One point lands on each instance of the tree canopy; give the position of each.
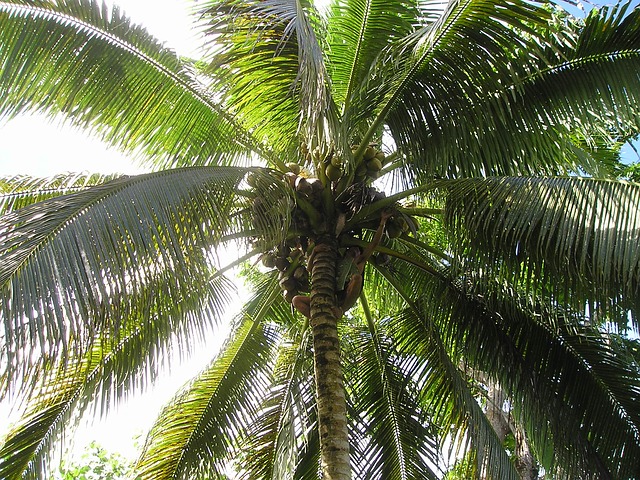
(426, 199)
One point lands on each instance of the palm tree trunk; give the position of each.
(330, 393)
(525, 461)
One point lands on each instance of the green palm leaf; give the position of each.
(195, 431)
(270, 64)
(21, 190)
(580, 234)
(111, 77)
(112, 370)
(475, 277)
(563, 366)
(357, 32)
(279, 433)
(201, 428)
(82, 260)
(512, 112)
(420, 51)
(444, 389)
(396, 438)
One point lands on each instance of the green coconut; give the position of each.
(333, 173)
(374, 164)
(294, 168)
(369, 153)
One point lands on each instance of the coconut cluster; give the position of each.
(290, 258)
(369, 169)
(372, 162)
(291, 263)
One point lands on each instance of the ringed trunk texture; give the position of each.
(330, 393)
(525, 462)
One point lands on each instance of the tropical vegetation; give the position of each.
(424, 198)
(95, 463)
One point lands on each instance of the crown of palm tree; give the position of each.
(498, 256)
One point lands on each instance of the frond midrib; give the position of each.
(382, 369)
(128, 47)
(354, 64)
(256, 322)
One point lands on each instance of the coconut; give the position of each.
(288, 283)
(300, 273)
(373, 174)
(382, 259)
(369, 153)
(303, 187)
(282, 263)
(294, 168)
(361, 171)
(269, 260)
(374, 164)
(333, 173)
(291, 178)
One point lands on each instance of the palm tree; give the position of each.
(447, 169)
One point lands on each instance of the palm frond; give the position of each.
(419, 52)
(357, 32)
(396, 437)
(515, 97)
(105, 74)
(279, 434)
(25, 450)
(265, 210)
(578, 235)
(564, 377)
(396, 255)
(269, 62)
(443, 388)
(543, 355)
(597, 157)
(195, 432)
(21, 190)
(112, 370)
(202, 427)
(514, 282)
(83, 260)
